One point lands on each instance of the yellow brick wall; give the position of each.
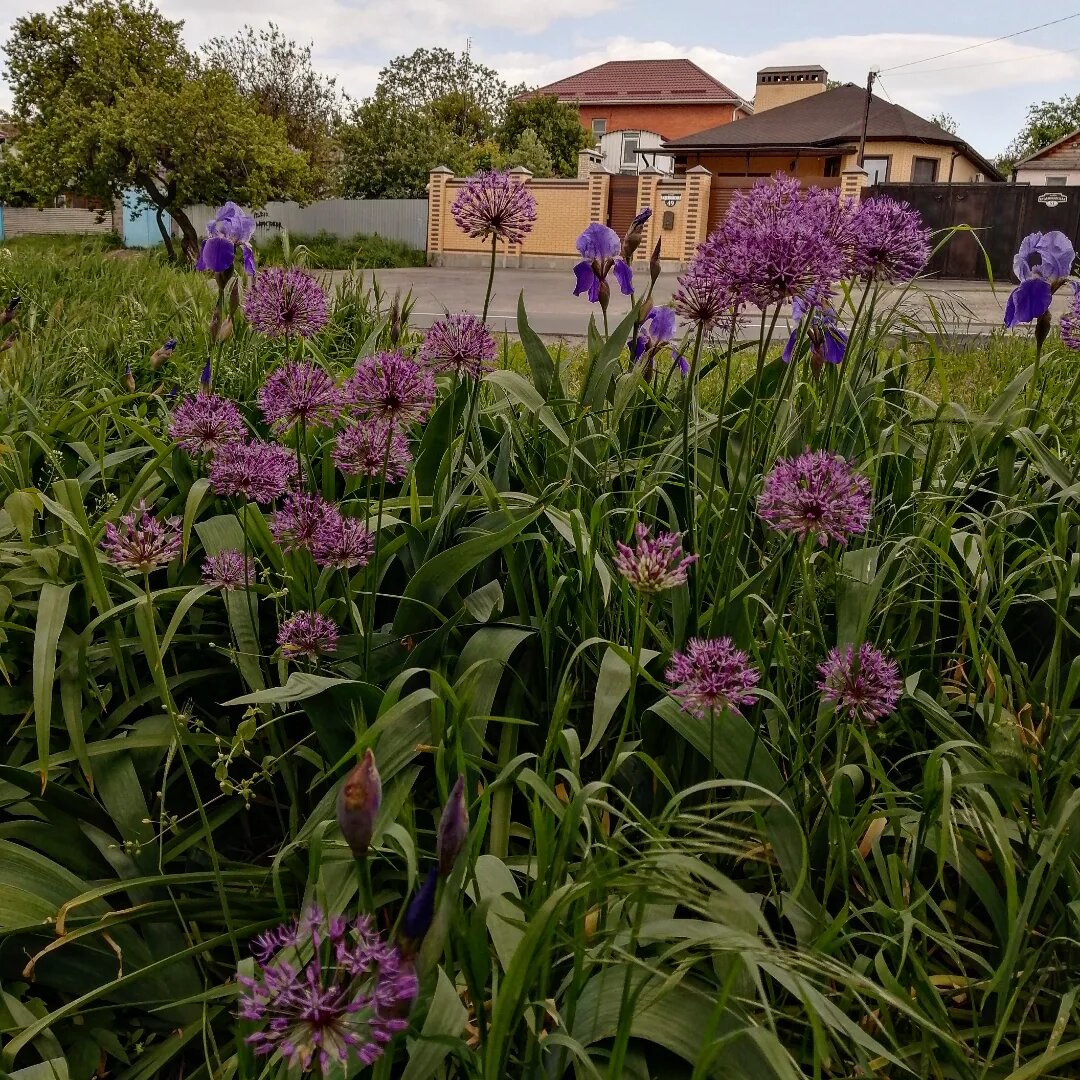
(903, 155)
(562, 212)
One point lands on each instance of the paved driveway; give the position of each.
(963, 308)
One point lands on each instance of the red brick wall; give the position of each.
(671, 121)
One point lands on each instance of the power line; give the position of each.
(987, 63)
(980, 44)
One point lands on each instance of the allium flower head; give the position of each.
(231, 228)
(702, 296)
(253, 470)
(227, 570)
(863, 684)
(891, 243)
(1070, 322)
(817, 319)
(332, 990)
(361, 450)
(493, 204)
(653, 564)
(204, 422)
(307, 634)
(1041, 265)
(298, 393)
(712, 675)
(460, 343)
(295, 525)
(342, 542)
(140, 541)
(286, 303)
(392, 388)
(601, 254)
(816, 494)
(779, 240)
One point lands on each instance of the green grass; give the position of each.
(327, 252)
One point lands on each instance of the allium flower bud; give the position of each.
(453, 828)
(358, 804)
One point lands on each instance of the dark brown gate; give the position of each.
(622, 202)
(1000, 215)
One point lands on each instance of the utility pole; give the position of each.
(871, 76)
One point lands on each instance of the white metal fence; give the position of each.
(395, 219)
(29, 221)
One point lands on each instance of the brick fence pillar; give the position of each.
(696, 218)
(599, 195)
(852, 182)
(522, 176)
(437, 210)
(647, 196)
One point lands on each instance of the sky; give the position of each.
(986, 89)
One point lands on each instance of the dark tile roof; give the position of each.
(642, 80)
(831, 118)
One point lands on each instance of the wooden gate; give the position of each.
(622, 202)
(1001, 215)
(724, 189)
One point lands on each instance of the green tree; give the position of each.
(945, 121)
(531, 153)
(277, 75)
(107, 98)
(1047, 121)
(556, 125)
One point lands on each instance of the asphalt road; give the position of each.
(962, 308)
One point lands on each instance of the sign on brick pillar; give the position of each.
(648, 183)
(852, 182)
(522, 176)
(696, 219)
(437, 209)
(599, 195)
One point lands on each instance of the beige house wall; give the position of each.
(902, 159)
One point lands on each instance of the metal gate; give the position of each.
(622, 202)
(1000, 215)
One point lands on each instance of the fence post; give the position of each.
(522, 175)
(696, 221)
(647, 186)
(852, 183)
(599, 195)
(437, 182)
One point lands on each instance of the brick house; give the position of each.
(632, 106)
(1056, 165)
(802, 128)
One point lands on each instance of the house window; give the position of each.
(832, 166)
(877, 169)
(629, 150)
(599, 127)
(924, 170)
(1057, 181)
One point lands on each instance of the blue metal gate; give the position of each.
(140, 223)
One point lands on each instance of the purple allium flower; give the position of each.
(492, 204)
(778, 240)
(1041, 265)
(461, 343)
(295, 525)
(816, 494)
(334, 990)
(891, 243)
(227, 570)
(204, 422)
(286, 303)
(392, 388)
(140, 541)
(307, 634)
(453, 828)
(1070, 322)
(712, 675)
(653, 564)
(817, 319)
(298, 393)
(420, 913)
(253, 470)
(863, 685)
(231, 228)
(702, 297)
(654, 335)
(361, 450)
(600, 249)
(342, 542)
(358, 804)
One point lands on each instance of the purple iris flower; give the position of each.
(231, 228)
(1043, 262)
(599, 248)
(818, 320)
(656, 333)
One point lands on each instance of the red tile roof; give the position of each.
(642, 80)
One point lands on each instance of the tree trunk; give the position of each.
(189, 243)
(160, 218)
(190, 238)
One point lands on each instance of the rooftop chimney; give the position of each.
(783, 85)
